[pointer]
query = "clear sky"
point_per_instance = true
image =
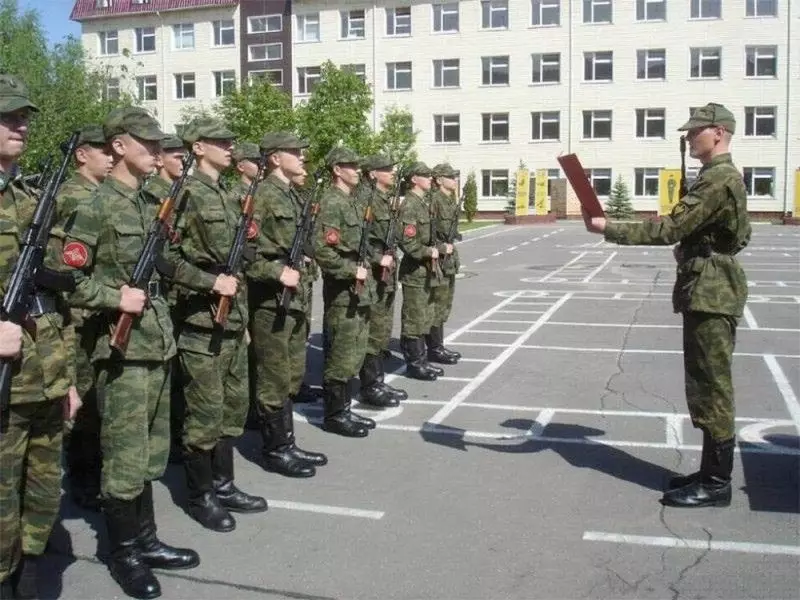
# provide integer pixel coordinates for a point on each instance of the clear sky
(54, 15)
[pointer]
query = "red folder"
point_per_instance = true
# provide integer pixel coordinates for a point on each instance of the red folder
(580, 183)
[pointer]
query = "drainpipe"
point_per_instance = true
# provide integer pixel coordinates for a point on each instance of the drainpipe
(569, 83)
(164, 85)
(374, 65)
(787, 175)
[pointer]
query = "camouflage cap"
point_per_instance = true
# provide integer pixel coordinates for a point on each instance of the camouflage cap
(172, 142)
(711, 114)
(375, 162)
(341, 155)
(206, 128)
(444, 170)
(91, 134)
(246, 151)
(419, 168)
(135, 121)
(14, 94)
(281, 140)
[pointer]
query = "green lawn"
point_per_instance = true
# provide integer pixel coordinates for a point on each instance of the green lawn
(466, 226)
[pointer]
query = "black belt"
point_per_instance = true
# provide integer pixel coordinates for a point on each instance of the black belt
(42, 304)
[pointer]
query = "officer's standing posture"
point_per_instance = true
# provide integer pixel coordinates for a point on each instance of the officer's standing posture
(213, 359)
(102, 246)
(711, 225)
(420, 273)
(346, 312)
(279, 334)
(42, 386)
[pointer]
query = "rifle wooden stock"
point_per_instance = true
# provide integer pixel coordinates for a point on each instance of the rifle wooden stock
(122, 333)
(580, 183)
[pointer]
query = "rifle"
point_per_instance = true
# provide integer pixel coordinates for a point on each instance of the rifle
(150, 256)
(435, 268)
(39, 180)
(390, 241)
(683, 189)
(363, 245)
(28, 270)
(453, 231)
(233, 262)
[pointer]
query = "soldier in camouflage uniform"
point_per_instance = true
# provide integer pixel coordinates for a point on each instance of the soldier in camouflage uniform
(101, 247)
(346, 312)
(169, 166)
(711, 225)
(420, 273)
(42, 385)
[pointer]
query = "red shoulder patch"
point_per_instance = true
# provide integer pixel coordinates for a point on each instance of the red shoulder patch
(410, 231)
(75, 254)
(252, 230)
(332, 237)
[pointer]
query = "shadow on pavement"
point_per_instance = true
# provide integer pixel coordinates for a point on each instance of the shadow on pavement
(772, 481)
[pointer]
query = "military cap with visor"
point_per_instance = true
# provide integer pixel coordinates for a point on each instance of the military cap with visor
(91, 134)
(710, 115)
(376, 162)
(419, 168)
(14, 95)
(275, 141)
(246, 151)
(444, 170)
(172, 142)
(134, 121)
(206, 128)
(342, 155)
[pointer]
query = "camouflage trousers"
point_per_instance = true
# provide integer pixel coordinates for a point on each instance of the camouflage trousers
(442, 299)
(215, 389)
(279, 348)
(348, 333)
(708, 343)
(417, 312)
(381, 320)
(30, 480)
(133, 398)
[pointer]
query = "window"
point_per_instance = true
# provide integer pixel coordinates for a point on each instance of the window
(183, 36)
(265, 24)
(145, 39)
(598, 66)
(494, 183)
(760, 121)
(546, 68)
(495, 127)
(651, 123)
(353, 24)
(495, 70)
(759, 180)
(398, 21)
(600, 180)
(224, 83)
(109, 42)
(446, 73)
(545, 12)
(445, 17)
(651, 10)
(645, 182)
(398, 76)
(447, 129)
(494, 14)
(597, 11)
(257, 52)
(360, 70)
(103, 3)
(147, 87)
(307, 79)
(111, 89)
(651, 64)
(271, 76)
(706, 62)
(706, 9)
(597, 124)
(185, 86)
(546, 125)
(552, 175)
(761, 8)
(308, 27)
(140, 1)
(224, 33)
(762, 61)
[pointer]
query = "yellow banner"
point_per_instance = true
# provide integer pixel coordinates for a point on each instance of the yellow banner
(796, 213)
(669, 185)
(523, 189)
(540, 200)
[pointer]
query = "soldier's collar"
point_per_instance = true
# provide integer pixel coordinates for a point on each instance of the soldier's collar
(205, 179)
(121, 188)
(277, 182)
(5, 180)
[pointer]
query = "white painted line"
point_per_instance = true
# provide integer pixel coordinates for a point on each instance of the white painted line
(523, 312)
(479, 344)
(497, 253)
(690, 544)
(512, 248)
(515, 322)
(503, 229)
(674, 430)
(631, 350)
(524, 243)
(496, 332)
(542, 421)
(782, 284)
(557, 271)
(749, 318)
(604, 264)
(328, 510)
(479, 260)
(446, 378)
(496, 308)
(535, 239)
(658, 326)
(785, 388)
(477, 360)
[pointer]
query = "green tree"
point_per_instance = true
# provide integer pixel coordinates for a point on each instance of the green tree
(619, 205)
(256, 108)
(470, 197)
(397, 136)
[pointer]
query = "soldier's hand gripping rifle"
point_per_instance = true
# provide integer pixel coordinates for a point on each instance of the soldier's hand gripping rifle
(150, 256)
(363, 244)
(28, 271)
(683, 188)
(390, 241)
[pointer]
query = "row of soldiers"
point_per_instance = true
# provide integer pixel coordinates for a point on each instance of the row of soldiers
(116, 398)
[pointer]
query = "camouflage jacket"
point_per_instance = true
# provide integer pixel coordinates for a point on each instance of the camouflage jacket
(445, 211)
(73, 191)
(47, 368)
(381, 218)
(712, 225)
(336, 250)
(416, 243)
(155, 189)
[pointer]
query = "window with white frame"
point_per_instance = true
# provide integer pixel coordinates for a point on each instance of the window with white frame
(359, 70)
(761, 8)
(308, 27)
(759, 181)
(224, 83)
(445, 17)
(546, 68)
(398, 75)
(271, 76)
(183, 36)
(597, 11)
(109, 42)
(598, 66)
(651, 10)
(307, 79)
(597, 124)
(545, 13)
(600, 180)
(705, 63)
(645, 181)
(495, 127)
(147, 87)
(494, 14)
(259, 52)
(495, 70)
(651, 63)
(224, 33)
(265, 24)
(760, 121)
(446, 73)
(111, 89)
(494, 183)
(706, 9)
(447, 129)
(103, 3)
(651, 123)
(185, 87)
(353, 24)
(145, 39)
(761, 61)
(398, 20)
(546, 125)
(139, 1)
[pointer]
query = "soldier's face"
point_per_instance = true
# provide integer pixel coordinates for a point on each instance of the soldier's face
(172, 162)
(290, 161)
(248, 168)
(703, 140)
(448, 184)
(13, 133)
(384, 178)
(139, 154)
(217, 152)
(300, 179)
(95, 159)
(423, 183)
(349, 174)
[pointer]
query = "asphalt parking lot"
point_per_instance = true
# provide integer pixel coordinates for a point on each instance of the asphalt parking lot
(533, 468)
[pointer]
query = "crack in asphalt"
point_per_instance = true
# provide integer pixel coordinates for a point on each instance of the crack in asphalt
(673, 587)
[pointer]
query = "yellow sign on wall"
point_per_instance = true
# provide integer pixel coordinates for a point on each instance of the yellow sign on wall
(523, 190)
(796, 212)
(541, 202)
(669, 186)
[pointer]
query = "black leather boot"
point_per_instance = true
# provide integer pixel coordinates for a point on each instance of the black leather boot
(713, 486)
(277, 455)
(395, 392)
(436, 349)
(125, 562)
(25, 578)
(231, 497)
(363, 421)
(416, 367)
(203, 505)
(156, 553)
(372, 392)
(440, 338)
(306, 394)
(708, 445)
(84, 462)
(338, 418)
(6, 590)
(318, 459)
